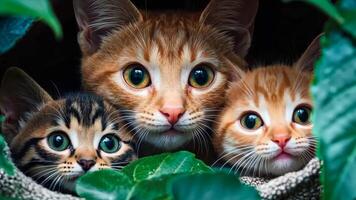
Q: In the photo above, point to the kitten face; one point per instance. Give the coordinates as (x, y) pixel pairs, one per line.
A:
(67, 138)
(266, 126)
(168, 72)
(166, 96)
(58, 141)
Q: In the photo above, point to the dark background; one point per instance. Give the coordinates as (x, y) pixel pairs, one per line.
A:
(282, 32)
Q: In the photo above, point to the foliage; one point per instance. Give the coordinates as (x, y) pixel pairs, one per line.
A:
(33, 8)
(181, 176)
(334, 92)
(211, 186)
(161, 177)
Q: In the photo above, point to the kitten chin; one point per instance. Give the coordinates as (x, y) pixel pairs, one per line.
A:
(170, 140)
(266, 128)
(60, 140)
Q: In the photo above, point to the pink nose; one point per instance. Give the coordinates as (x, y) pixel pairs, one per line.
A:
(281, 140)
(173, 114)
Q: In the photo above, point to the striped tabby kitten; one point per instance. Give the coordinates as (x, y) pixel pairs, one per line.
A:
(56, 141)
(168, 71)
(266, 127)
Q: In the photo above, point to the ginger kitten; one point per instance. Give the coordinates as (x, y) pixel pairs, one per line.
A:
(266, 127)
(56, 141)
(166, 70)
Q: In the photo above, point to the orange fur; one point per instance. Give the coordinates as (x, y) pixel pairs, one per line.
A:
(169, 45)
(274, 93)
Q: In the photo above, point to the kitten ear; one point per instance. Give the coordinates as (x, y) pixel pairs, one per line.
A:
(97, 18)
(311, 54)
(234, 18)
(19, 96)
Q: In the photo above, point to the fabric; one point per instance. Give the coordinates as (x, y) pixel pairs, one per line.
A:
(12, 29)
(303, 184)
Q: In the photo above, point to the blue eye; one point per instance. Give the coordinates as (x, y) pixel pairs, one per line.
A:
(58, 141)
(110, 143)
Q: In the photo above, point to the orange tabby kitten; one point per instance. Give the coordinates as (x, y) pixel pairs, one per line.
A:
(167, 70)
(266, 126)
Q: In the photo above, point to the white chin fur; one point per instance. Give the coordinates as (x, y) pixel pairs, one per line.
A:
(282, 166)
(168, 142)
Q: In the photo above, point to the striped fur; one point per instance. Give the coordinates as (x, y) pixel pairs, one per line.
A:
(83, 118)
(169, 45)
(273, 93)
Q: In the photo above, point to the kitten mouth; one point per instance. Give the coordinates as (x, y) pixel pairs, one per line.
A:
(283, 156)
(74, 176)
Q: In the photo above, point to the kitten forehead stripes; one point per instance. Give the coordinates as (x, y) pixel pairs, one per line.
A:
(86, 109)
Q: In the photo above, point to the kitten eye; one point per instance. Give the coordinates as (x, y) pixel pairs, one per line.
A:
(137, 76)
(109, 143)
(201, 76)
(251, 121)
(58, 141)
(302, 115)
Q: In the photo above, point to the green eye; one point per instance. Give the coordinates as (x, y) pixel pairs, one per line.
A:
(137, 76)
(302, 115)
(201, 76)
(251, 121)
(58, 141)
(109, 143)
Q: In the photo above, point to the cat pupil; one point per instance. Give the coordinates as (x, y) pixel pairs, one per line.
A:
(250, 121)
(58, 141)
(303, 115)
(109, 143)
(137, 75)
(200, 76)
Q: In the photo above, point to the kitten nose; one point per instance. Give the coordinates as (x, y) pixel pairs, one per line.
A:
(86, 164)
(172, 113)
(281, 140)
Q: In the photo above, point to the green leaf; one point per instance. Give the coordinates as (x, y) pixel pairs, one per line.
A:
(105, 184)
(163, 164)
(153, 189)
(33, 8)
(146, 178)
(5, 163)
(334, 90)
(210, 186)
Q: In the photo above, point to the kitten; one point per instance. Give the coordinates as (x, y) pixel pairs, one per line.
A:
(266, 127)
(56, 141)
(167, 71)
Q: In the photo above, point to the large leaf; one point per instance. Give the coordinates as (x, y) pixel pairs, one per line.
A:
(210, 186)
(163, 164)
(334, 92)
(147, 178)
(105, 184)
(152, 189)
(33, 8)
